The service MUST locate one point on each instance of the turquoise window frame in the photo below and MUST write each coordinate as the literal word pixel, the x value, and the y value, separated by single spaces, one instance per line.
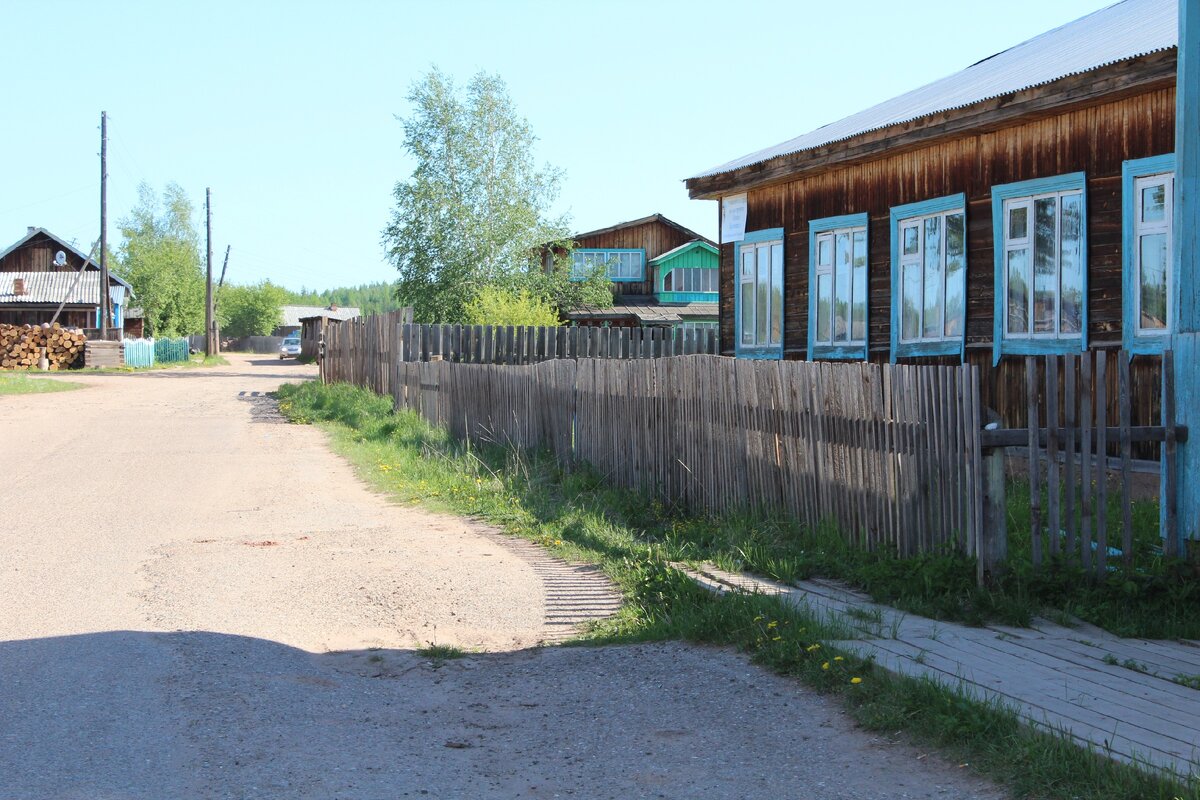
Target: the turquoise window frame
pixel 837 351
pixel 757 351
pixel 1130 171
pixel 946 347
pixel 1035 346
pixel 614 250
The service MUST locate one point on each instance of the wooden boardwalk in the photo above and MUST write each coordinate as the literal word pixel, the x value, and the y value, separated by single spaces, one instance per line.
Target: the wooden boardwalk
pixel 1058 678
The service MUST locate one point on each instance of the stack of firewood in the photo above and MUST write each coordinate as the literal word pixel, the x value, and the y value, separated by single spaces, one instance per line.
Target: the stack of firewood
pixel 21 346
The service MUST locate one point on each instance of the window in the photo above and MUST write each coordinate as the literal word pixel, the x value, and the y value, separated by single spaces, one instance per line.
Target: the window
pixel 759 287
pixel 623 265
pixel 690 280
pixel 1041 252
pixel 1148 186
pixel 699 326
pixel 929 266
pixel 838 287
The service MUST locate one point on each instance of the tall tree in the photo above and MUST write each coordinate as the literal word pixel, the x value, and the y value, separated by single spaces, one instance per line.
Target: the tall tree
pixel 160 257
pixel 250 310
pixel 477 206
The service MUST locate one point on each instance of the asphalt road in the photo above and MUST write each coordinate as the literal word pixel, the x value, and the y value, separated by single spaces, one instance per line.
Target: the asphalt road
pixel 197 600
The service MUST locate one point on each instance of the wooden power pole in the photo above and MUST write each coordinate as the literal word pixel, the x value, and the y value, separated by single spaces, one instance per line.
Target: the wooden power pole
pixel 104 298
pixel 210 343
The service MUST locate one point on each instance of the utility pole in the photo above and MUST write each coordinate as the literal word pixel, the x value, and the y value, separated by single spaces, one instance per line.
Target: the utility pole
pixel 217 299
pixel 104 298
pixel 210 344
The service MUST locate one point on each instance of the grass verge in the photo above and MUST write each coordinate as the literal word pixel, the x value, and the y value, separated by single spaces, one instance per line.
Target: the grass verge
pixel 22 383
pixel 577 515
pixel 193 362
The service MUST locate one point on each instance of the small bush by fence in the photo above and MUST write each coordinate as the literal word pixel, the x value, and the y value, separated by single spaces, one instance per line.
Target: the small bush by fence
pixel 148 352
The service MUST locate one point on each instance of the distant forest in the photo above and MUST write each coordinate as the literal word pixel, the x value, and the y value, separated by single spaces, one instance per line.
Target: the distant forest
pixel 371 298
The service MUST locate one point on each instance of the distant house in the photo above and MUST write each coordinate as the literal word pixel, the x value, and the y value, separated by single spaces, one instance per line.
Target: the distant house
pixel 290 321
pixel 40 271
pixel 662 275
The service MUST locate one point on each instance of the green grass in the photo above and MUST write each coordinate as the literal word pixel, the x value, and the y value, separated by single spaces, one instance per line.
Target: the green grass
pixel 22 383
pixel 440 653
pixel 577 515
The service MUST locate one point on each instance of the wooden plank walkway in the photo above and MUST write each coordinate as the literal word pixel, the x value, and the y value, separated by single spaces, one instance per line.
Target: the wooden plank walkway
pixel 1057 678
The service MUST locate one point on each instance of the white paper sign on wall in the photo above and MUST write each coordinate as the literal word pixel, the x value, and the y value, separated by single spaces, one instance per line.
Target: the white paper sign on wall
pixel 733 218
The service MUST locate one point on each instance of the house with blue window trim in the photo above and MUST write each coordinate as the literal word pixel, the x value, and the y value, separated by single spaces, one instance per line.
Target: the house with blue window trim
pixel 661 274
pixel 1022 205
pixel 39 272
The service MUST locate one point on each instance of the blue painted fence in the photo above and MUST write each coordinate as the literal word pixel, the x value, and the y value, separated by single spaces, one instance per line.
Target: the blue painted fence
pixel 148 352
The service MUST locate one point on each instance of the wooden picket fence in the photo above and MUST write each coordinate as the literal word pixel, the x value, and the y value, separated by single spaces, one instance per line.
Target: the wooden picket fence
pixel 1075 452
pixel 890 454
pixel 519 344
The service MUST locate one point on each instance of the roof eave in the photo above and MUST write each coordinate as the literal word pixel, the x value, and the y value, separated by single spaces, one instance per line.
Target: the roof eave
pixel 1093 87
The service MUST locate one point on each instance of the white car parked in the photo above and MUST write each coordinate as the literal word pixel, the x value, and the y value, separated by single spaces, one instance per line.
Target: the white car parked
pixel 290 346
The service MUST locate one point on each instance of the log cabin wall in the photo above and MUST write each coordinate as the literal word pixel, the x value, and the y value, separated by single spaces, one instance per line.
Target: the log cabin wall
pixel 37 255
pixel 1095 140
pixel 654 237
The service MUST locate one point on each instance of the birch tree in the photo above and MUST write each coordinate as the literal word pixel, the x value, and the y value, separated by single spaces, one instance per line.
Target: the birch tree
pixel 477 208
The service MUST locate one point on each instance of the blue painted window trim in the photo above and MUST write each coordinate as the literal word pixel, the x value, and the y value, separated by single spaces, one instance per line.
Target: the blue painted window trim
pixel 756 351
pixel 836 352
pixel 1130 172
pixel 1009 191
pixel 641 250
pixel 947 347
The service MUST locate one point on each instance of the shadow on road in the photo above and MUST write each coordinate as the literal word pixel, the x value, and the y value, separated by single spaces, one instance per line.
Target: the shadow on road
pixel 127 714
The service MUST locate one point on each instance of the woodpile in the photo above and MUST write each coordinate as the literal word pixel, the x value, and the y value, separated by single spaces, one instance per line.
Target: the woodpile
pixel 21 346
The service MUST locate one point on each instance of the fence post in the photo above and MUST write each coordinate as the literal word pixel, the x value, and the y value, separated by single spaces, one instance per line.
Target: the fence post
pixel 993 545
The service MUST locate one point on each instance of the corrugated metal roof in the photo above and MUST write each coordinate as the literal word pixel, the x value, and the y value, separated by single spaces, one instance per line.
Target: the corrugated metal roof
pixel 291 315
pixel 1126 30
pixel 647 314
pixel 52 287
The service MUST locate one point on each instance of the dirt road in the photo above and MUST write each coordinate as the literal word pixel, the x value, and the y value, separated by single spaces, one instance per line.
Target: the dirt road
pixel 197 600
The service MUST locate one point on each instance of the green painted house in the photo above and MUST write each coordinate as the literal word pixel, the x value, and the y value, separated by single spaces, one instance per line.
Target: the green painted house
pixel 662 275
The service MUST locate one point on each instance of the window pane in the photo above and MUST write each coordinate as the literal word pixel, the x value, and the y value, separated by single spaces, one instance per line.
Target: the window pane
pixel 1152 252
pixel 858 332
pixel 1071 265
pixel 714 280
pixel 1018 298
pixel 747 275
pixel 825 251
pixel 763 284
pixel 669 281
pixel 956 273
pixel 932 327
pixel 824 298
pixel 841 288
pixel 910 294
pixel 776 293
pixel 1018 222
pixel 1154 203
pixel 1045 274
pixel 911 239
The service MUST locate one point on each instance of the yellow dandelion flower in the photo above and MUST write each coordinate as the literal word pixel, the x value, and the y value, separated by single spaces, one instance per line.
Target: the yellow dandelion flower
pixel 856 680
pixel 772 624
pixel 825 665
pixel 838 658
pixel 812 648
pixel 776 638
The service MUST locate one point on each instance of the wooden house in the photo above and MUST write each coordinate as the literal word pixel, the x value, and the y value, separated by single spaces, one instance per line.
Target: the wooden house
pixel 661 273
pixel 291 318
pixel 41 271
pixel 1020 206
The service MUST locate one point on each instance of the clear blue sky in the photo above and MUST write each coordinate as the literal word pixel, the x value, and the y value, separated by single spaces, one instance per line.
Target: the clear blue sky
pixel 287 110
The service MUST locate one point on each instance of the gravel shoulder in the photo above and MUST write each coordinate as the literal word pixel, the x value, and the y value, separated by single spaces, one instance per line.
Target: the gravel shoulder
pixel 201 601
